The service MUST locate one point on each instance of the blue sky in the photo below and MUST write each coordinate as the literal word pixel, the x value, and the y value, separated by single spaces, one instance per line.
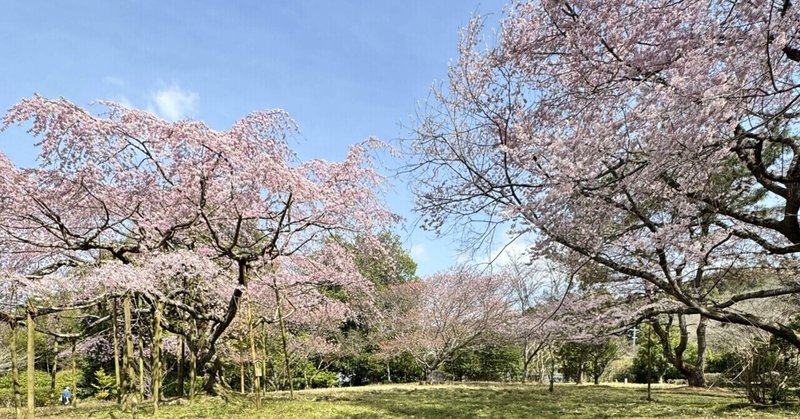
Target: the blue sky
pixel 343 70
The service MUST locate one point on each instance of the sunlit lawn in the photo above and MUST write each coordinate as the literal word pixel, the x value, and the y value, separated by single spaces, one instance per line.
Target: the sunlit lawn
pixel 453 401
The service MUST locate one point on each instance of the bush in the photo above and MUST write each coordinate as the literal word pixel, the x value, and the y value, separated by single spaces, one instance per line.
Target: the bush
pixel 770 369
pixel 363 368
pixel 314 378
pixel 721 363
pixel 324 379
pixel 169 388
pixel 405 369
pixel 66 379
pixel 653 365
pixel 104 385
pixel 41 392
pixel 619 370
pixel 488 363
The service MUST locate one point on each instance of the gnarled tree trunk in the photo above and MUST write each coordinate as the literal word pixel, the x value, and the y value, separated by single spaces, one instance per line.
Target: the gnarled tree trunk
pixel 694 373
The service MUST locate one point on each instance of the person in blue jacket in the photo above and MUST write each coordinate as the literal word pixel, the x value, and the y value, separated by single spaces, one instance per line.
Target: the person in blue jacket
pixel 66 396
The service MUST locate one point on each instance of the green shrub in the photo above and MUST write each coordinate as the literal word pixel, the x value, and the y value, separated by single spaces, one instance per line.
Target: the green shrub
pixel 652 366
pixel 722 362
pixel 492 362
pixel 324 379
pixel 363 368
pixel 104 385
pixel 41 389
pixel 169 387
pixel 619 370
pixel 65 378
pixel 770 371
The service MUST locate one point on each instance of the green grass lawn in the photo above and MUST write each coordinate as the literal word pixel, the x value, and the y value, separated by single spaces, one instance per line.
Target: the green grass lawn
pixel 454 401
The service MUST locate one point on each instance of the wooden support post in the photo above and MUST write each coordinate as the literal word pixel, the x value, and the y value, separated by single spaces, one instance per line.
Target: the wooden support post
pixel 15 372
pixel 74 400
pixel 31 357
pixel 115 343
pixel 155 370
pixel 254 355
pixel 129 398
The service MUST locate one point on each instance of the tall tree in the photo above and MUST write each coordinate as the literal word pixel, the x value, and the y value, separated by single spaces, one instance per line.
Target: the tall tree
pixel 451 311
pixel 128 184
pixel 387 264
pixel 606 129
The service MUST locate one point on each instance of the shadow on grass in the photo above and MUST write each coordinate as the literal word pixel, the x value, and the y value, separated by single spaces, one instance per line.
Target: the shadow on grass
pixel 792 409
pixel 492 400
pixel 532 401
pixel 454 401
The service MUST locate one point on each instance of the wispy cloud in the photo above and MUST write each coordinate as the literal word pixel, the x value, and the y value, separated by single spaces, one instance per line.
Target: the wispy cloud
pixel 508 253
pixel 173 103
pixel 113 81
pixel 419 252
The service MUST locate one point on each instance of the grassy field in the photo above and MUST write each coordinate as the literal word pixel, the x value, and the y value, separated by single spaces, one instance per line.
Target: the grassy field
pixel 454 401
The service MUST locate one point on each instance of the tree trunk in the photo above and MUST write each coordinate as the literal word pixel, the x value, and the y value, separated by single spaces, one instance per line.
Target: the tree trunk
pixel 205 352
pixel 129 399
pixel 649 362
pixel 541 367
pixel 526 368
pixel 181 361
pixel 694 374
pixel 241 366
pixel 283 342
pixel 253 354
pixel 698 379
pixel 31 357
pixel 15 371
pixel 214 382
pixel 192 372
pixel 155 369
pixel 528 356
pixel 526 362
pixel 74 400
pixel 53 370
pixel 552 370
pixel 115 343
pixel 264 356
pixel 141 369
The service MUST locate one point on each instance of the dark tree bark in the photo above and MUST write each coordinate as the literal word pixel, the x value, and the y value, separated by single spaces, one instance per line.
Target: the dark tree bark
pixel 694 373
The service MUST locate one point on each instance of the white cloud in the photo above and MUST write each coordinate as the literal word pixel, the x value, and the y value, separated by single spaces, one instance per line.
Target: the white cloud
pixel 419 252
pixel 173 103
pixel 508 253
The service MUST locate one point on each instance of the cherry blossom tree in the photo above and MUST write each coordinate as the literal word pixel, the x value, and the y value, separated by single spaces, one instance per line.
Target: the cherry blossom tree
pixel 399 304
pixel 531 285
pixel 452 311
pixel 126 185
pixel 656 139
